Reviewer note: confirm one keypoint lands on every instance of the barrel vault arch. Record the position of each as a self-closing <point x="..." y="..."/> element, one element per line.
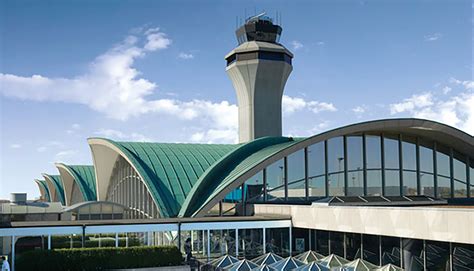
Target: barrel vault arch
<point x="78" y="182"/>
<point x="55" y="187"/>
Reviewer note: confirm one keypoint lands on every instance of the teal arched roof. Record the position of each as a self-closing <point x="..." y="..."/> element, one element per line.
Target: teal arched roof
<point x="58" y="185"/>
<point x="170" y="170"/>
<point x="85" y="179"/>
<point x="43" y="185"/>
<point x="224" y="172"/>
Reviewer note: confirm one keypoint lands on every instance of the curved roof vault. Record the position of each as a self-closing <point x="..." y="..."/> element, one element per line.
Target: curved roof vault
<point x="44" y="190"/>
<point x="83" y="176"/>
<point x="169" y="170"/>
<point x="55" y="186"/>
<point x="246" y="161"/>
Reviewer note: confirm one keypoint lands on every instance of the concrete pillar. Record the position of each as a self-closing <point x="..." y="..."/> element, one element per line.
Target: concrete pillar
<point x="49" y="242"/>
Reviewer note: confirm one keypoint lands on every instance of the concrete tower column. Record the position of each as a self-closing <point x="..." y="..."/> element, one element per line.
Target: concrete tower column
<point x="259" y="68"/>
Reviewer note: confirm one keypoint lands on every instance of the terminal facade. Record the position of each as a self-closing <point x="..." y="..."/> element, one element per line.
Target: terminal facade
<point x="397" y="191"/>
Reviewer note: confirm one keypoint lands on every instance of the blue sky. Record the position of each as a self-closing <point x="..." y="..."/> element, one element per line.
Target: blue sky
<point x="155" y="71"/>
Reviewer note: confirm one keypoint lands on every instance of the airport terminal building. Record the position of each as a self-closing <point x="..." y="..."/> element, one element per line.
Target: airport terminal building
<point x="397" y="191"/>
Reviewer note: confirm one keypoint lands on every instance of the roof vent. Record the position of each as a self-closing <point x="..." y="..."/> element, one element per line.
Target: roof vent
<point x="18" y="198"/>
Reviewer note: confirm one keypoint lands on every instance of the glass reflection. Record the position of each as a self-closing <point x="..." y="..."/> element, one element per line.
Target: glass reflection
<point x="336" y="166"/>
<point x="322" y="242"/>
<point x="316" y="170"/>
<point x="412" y="251"/>
<point x="371" y="251"/>
<point x="254" y="188"/>
<point x="426" y="169"/>
<point x="390" y="250"/>
<point x="444" y="172"/>
<point x="459" y="174"/>
<point x="276" y="181"/>
<point x="296" y="176"/>
<point x="353" y="243"/>
<point x="355" y="180"/>
<point x="337" y="243"/>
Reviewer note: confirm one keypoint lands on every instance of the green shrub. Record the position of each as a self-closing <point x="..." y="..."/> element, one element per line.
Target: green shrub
<point x="85" y="259"/>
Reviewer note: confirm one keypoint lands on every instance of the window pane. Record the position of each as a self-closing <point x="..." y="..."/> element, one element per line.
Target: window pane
<point x="371" y="249"/>
<point x="336" y="184"/>
<point x="409" y="183"/>
<point x="355" y="183"/>
<point x="296" y="178"/>
<point x="392" y="183"/>
<point x="276" y="181"/>
<point x="390" y="250"/>
<point x="335" y="154"/>
<point x="337" y="243"/>
<point x="374" y="182"/>
<point x="354" y="152"/>
<point x="316" y="181"/>
<point x="460" y="184"/>
<point x="426" y="159"/>
<point x="443" y="169"/>
<point x="437" y="255"/>
<point x="462" y="256"/>
<point x="355" y="165"/>
<point x="352" y="246"/>
<point x="442" y="165"/>
<point x="409" y="155"/>
<point x="444" y="187"/>
<point x="254" y="188"/>
<point x="427" y="184"/>
<point x="322" y="242"/>
<point x="373" y="152"/>
<point x="300" y="240"/>
<point x="471" y="176"/>
<point x="391" y="152"/>
<point x="278" y="241"/>
<point x="412" y="254"/>
<point x="251" y="243"/>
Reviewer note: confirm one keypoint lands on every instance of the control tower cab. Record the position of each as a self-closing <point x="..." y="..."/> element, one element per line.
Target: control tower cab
<point x="259" y="68"/>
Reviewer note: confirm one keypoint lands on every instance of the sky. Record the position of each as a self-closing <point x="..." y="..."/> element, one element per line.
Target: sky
<point x="155" y="71"/>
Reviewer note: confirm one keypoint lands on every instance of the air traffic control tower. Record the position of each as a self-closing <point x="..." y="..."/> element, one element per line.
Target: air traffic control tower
<point x="259" y="68"/>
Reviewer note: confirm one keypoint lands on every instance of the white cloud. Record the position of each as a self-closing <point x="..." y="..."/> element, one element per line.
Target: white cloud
<point x="293" y="104"/>
<point x="320" y="43"/>
<point x="446" y="90"/>
<point x="433" y="37"/>
<point x="296" y="45"/>
<point x="50" y="145"/>
<point x="359" y="109"/>
<point x="74" y="127"/>
<point x="15" y="146"/>
<point x="466" y="84"/>
<point x="414" y="102"/>
<point x="216" y="136"/>
<point x="111" y="81"/>
<point x="185" y="56"/>
<point x="456" y="110"/>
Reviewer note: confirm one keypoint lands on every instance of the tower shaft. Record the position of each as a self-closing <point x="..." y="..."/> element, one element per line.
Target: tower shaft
<point x="259" y="68"/>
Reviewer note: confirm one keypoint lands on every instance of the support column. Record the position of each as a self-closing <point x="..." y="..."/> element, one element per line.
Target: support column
<point x="291" y="239"/>
<point x="208" y="245"/>
<point x="13" y="252"/>
<point x="236" y="243"/>
<point x="264" y="240"/>
<point x="116" y="240"/>
<point x="49" y="242"/>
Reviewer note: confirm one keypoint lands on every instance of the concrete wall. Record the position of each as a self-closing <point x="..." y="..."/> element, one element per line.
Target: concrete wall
<point x="430" y="223"/>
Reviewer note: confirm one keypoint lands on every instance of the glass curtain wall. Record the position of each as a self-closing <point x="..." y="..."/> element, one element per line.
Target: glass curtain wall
<point x="362" y="165"/>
